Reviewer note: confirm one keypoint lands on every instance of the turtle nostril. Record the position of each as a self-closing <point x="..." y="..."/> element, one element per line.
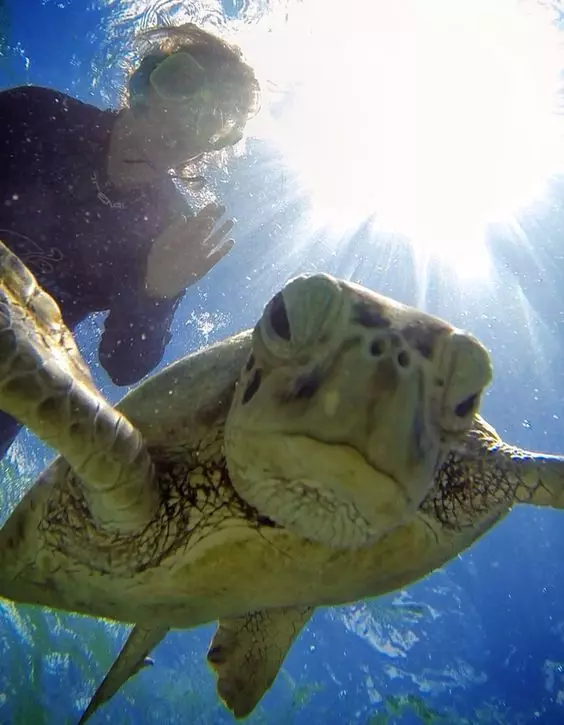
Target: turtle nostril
<point x="467" y="406"/>
<point x="377" y="348"/>
<point x="403" y="359"/>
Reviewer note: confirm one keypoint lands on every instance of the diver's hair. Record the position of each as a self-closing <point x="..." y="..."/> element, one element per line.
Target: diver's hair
<point x="222" y="61"/>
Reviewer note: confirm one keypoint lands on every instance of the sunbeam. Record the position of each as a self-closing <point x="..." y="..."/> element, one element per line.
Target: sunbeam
<point x="431" y="119"/>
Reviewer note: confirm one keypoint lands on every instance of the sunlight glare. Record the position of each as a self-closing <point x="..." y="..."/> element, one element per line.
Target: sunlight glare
<point x="430" y="118"/>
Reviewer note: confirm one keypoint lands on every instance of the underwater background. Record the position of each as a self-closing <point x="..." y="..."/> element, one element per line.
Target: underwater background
<point x="481" y="640"/>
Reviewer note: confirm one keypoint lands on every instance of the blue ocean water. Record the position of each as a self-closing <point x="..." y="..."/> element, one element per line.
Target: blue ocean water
<point x="480" y="641"/>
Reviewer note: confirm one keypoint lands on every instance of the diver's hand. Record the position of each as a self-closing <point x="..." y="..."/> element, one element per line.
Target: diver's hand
<point x="186" y="251"/>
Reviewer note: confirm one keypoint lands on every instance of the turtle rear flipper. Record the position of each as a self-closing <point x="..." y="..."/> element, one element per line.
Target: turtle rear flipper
<point x="132" y="658"/>
<point x="246" y="654"/>
<point x="46" y="385"/>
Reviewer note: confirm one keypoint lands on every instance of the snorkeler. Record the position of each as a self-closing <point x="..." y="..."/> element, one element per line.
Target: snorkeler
<point x="88" y="200"/>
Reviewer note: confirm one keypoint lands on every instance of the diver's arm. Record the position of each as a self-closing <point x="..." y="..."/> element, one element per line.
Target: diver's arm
<point x="136" y="333"/>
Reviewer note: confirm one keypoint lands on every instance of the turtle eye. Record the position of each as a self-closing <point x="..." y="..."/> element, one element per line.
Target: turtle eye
<point x="278" y="317"/>
<point x="307" y="312"/>
<point x="467" y="406"/>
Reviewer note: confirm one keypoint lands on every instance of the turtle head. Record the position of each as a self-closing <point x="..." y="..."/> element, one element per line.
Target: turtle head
<point x="347" y="405"/>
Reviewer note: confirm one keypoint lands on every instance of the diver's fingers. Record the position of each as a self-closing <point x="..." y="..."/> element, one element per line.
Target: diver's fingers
<point x="216" y="237"/>
<point x="220" y="251"/>
<point x="211" y="211"/>
<point x="202" y="227"/>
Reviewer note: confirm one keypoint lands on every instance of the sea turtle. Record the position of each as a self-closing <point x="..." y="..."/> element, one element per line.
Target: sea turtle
<point x="330" y="454"/>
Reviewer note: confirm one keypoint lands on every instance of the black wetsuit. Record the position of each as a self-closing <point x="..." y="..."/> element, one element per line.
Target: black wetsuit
<point x="85" y="240"/>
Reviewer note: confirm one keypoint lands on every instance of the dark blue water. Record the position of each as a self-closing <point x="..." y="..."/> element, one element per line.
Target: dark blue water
<point x="481" y="641"/>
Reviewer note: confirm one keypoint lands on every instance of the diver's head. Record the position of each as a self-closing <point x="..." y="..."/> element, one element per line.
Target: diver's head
<point x="192" y="93"/>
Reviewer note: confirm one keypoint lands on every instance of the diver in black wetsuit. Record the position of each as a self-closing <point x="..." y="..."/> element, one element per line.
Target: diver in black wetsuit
<point x="88" y="202"/>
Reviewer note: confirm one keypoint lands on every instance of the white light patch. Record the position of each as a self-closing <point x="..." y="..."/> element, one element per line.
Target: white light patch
<point x="431" y="118"/>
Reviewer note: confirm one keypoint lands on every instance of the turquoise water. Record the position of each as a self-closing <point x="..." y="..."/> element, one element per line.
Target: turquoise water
<point x="481" y="641"/>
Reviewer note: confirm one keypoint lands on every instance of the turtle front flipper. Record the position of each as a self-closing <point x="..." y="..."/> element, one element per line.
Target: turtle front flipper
<point x="482" y="479"/>
<point x="131" y="659"/>
<point x="45" y="384"/>
<point x="247" y="653"/>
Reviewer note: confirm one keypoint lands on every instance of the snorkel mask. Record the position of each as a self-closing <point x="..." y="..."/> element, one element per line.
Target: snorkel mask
<point x="179" y="80"/>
